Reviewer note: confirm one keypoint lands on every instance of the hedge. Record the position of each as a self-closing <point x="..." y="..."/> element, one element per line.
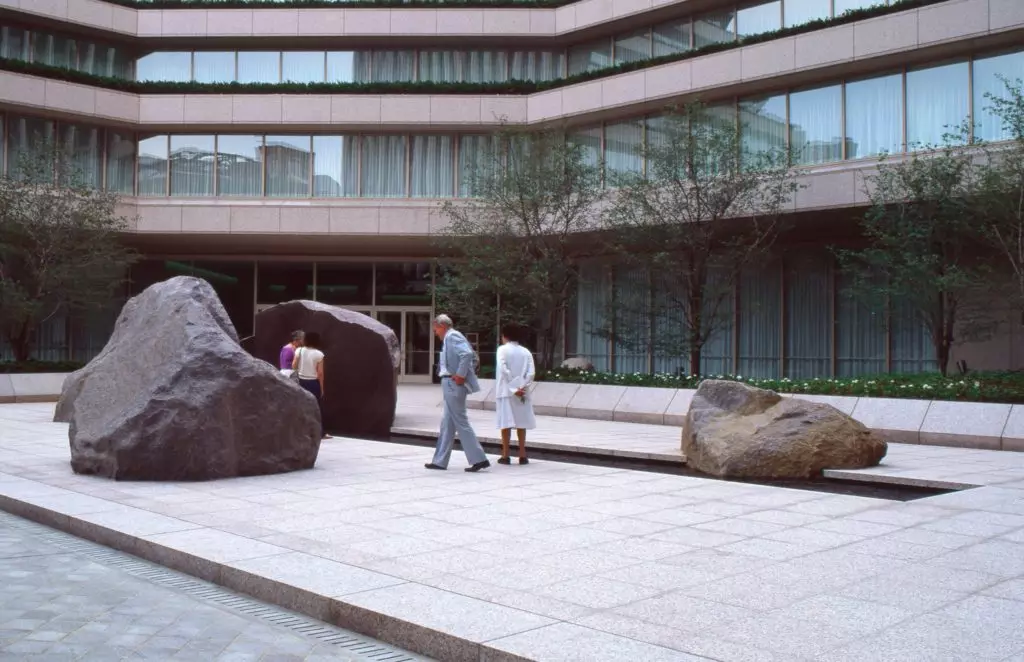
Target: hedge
<point x="1004" y="387"/>
<point x="514" y="87"/>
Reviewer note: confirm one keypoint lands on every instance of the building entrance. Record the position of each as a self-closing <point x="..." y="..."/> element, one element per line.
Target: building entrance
<point x="416" y="340"/>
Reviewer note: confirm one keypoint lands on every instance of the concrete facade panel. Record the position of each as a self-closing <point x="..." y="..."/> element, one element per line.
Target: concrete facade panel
<point x="94" y="14"/>
<point x="584" y="95"/>
<point x="768" y="59"/>
<point x="308" y="109"/>
<point x="355" y="219"/>
<point x="66" y="96"/>
<point x="149" y="23"/>
<point x="162" y="109"/>
<point x="542" y="22"/>
<point x="28" y="90"/>
<point x="827" y="189"/>
<point x="367" y="22"/>
<point x="55" y="8"/>
<point x="405" y="110"/>
<point x="822" y="47"/>
<point x="454" y="110"/>
<point x="565" y="19"/>
<point x="124" y="19"/>
<point x="206" y="218"/>
<point x="404" y="220"/>
<point x="952" y="20"/>
<point x="305" y="220"/>
<point x="355" y="109"/>
<point x="460" y="21"/>
<point x="183" y="22"/>
<point x="1003" y="14"/>
<point x="885" y="35"/>
<point x="544" y="105"/>
<point x="117" y="105"/>
<point x="593" y="12"/>
<point x="414" y="22"/>
<point x="717" y="70"/>
<point x="275" y="22"/>
<point x="256" y="109"/>
<point x="208" y="108"/>
<point x="495" y="110"/>
<point x="229" y="22"/>
<point x="507" y="21"/>
<point x="668" y="79"/>
<point x="321" y="21"/>
<point x="623" y="90"/>
<point x="159" y="218"/>
<point x="255" y="218"/>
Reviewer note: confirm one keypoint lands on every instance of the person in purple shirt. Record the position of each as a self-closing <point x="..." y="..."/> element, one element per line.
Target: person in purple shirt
<point x="287" y="357"/>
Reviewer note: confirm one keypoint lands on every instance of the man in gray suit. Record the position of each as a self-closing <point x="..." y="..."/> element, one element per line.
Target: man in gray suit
<point x="458" y="380"/>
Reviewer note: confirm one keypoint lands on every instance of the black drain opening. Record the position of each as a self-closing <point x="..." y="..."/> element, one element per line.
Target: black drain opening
<point x="871" y="489"/>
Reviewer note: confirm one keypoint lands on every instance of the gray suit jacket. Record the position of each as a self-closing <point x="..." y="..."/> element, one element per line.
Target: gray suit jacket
<point x="459" y="358"/>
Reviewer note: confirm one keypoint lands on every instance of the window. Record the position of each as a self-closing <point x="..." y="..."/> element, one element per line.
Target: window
<point x="763" y="128"/>
<point x="714" y="28"/>
<point x="589" y="141"/>
<point x="439" y="66"/>
<point x="672" y="38"/>
<point x="622" y="149"/>
<point x="478" y="160"/>
<point x="816" y="125"/>
<point x="484" y="66"/>
<point x="874" y="116"/>
<point x="84" y="150"/>
<point x="860" y="334"/>
<point x="344" y="283"/>
<point x="239" y="165"/>
<point x="798" y="12"/>
<point x="433" y="163"/>
<point x="537" y="65"/>
<point x="288" y="165"/>
<point x="259" y="67"/>
<point x="13" y="43"/>
<point x="214" y="67"/>
<point x="53" y="50"/>
<point x="843" y="6"/>
<point x="303" y="66"/>
<point x="758" y="19"/>
<point x="120" y="162"/>
<point x="383" y="167"/>
<point x="153" y="165"/>
<point x="392" y="66"/>
<point x="590" y="57"/>
<point x="760" y="314"/>
<point x="938" y="102"/>
<point x="341" y="66"/>
<point x="987" y="72"/>
<point x="192" y="164"/>
<point x="165" y="66"/>
<point x="633" y="46"/>
<point x="335" y="162"/>
<point x="808" y="317"/>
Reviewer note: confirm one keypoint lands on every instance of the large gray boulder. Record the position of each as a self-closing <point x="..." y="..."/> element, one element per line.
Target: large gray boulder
<point x="173" y="396"/>
<point x="735" y="430"/>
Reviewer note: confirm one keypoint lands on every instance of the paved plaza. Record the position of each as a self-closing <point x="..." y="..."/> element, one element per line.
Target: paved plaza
<point x="556" y="561"/>
<point x="58" y="603"/>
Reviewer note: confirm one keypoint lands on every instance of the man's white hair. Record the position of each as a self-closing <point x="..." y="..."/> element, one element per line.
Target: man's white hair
<point x="444" y="321"/>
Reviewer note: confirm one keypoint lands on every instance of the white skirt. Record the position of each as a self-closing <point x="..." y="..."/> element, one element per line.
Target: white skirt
<point x="513" y="413"/>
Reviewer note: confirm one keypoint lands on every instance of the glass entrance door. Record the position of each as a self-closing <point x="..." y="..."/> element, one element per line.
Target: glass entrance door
<point x="416" y="340"/>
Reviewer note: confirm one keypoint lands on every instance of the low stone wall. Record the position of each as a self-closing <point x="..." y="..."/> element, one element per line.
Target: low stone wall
<point x="31" y="387"/>
<point x="940" y="423"/>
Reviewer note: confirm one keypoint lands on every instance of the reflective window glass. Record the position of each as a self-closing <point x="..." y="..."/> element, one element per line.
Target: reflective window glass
<point x="153" y="166"/>
<point x="335" y="163"/>
<point x="798" y="12"/>
<point x="344" y="283"/>
<point x="383" y="167"/>
<point x="938" y="103"/>
<point x="214" y="66"/>
<point x="622" y="149"/>
<point x="478" y="160"/>
<point x="13" y="43"/>
<point x="633" y="46"/>
<point x="439" y="66"/>
<point x="988" y="85"/>
<point x="239" y="165"/>
<point x="403" y="283"/>
<point x="165" y="66"/>
<point x="758" y="19"/>
<point x="714" y="28"/>
<point x="83" y="148"/>
<point x="192" y="165"/>
<point x="816" y="125"/>
<point x="874" y="116"/>
<point x="120" y="162"/>
<point x="288" y="165"/>
<point x="259" y="67"/>
<point x="25" y="137"/>
<point x="484" y="66"/>
<point x="590" y="57"/>
<point x="392" y="66"/>
<point x="433" y="166"/>
<point x="341" y="67"/>
<point x="763" y="127"/>
<point x="303" y="66"/>
<point x="672" y="37"/>
<point x="589" y="141"/>
<point x="537" y="65"/>
<point x="53" y="50"/>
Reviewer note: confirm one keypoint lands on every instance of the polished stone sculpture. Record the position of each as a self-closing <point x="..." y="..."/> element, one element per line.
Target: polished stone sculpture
<point x="735" y="430"/>
<point x="361" y="364"/>
<point x="173" y="396"/>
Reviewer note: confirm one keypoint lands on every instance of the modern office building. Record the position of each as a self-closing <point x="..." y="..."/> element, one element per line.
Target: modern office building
<point x="333" y="194"/>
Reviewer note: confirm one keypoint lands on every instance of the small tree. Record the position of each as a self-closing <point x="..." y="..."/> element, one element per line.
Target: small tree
<point x="60" y="245"/>
<point x="1000" y="198"/>
<point x="921" y="248"/>
<point x="516" y="243"/>
<point x="706" y="209"/>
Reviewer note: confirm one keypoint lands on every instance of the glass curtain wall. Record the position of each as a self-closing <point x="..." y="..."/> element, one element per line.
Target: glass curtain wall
<point x="289" y="161"/>
<point x="988" y="85"/>
<point x="192" y="165"/>
<point x="383" y="167"/>
<point x="938" y="102"/>
<point x="432" y="173"/>
<point x="874" y="114"/>
<point x="816" y="125"/>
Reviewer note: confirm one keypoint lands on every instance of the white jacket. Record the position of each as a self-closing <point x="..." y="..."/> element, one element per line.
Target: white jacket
<point x="514" y="368"/>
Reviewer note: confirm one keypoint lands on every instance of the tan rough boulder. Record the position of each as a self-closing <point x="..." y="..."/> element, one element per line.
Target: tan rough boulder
<point x="735" y="430"/>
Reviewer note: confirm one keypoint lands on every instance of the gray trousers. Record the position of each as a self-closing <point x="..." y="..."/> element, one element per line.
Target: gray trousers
<point x="454" y="419"/>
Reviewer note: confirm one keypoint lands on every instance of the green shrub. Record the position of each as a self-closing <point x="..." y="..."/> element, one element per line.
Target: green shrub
<point x="1005" y="387"/>
<point x="25" y="367"/>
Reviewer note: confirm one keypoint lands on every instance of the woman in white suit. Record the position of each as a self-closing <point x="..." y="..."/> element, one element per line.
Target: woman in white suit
<point x="514" y="374"/>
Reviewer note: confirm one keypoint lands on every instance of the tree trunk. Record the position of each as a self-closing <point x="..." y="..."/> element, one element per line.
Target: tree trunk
<point x="21" y="346"/>
<point x="695" y="361"/>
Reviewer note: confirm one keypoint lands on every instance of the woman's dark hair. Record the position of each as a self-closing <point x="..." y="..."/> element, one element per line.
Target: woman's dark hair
<point x="512" y="332"/>
<point x="312" y="340"/>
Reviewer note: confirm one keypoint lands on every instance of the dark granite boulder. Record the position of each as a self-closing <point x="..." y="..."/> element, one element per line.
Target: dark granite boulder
<point x="173" y="396"/>
<point x="361" y="362"/>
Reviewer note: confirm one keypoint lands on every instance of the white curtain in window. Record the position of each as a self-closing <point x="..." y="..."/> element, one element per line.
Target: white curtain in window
<point x="439" y="66"/>
<point x="717" y="355"/>
<point x="81" y="145"/>
<point x="632" y="320"/>
<point x="478" y="156"/>
<point x="153" y="152"/>
<point x="86" y="54"/>
<point x="633" y="46"/>
<point x="120" y="162"/>
<point x="240" y="165"/>
<point x="816" y="125"/>
<point x="192" y="165"/>
<point x="912" y="347"/>
<point x="433" y="166"/>
<point x="860" y="335"/>
<point x="874" y="116"/>
<point x="938" y="103"/>
<point x="383" y="167"/>
<point x="594" y="297"/>
<point x="760" y="321"/>
<point x="392" y="66"/>
<point x="537" y="65"/>
<point x="589" y="141"/>
<point x="763" y="127"/>
<point x="671" y="38"/>
<point x="341" y="66"/>
<point x="53" y="50"/>
<point x="808" y="317"/>
<point x="484" y="66"/>
<point x="14" y="43"/>
<point x="288" y="161"/>
<point x="214" y="66"/>
<point x="335" y="163"/>
<point x="622" y="149"/>
<point x="590" y="56"/>
<point x="987" y="84"/>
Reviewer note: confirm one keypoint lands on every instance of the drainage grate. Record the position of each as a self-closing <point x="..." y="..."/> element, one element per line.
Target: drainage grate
<point x="353" y="643"/>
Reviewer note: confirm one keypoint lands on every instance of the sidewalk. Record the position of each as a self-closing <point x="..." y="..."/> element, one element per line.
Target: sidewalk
<point x="556" y="561"/>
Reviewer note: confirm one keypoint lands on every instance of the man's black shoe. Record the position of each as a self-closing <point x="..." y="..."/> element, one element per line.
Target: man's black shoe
<point x="478" y="466"/>
<point x="431" y="465"/>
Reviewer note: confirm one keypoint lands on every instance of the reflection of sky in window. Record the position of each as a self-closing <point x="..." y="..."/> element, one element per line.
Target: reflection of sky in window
<point x="244" y="147"/>
<point x="214" y="67"/>
<point x="341" y="66"/>
<point x="166" y="66"/>
<point x="302" y="66"/>
<point x="759" y="19"/>
<point x="937" y="103"/>
<point x="802" y="11"/>
<point x="154" y="147"/>
<point x="259" y="67"/>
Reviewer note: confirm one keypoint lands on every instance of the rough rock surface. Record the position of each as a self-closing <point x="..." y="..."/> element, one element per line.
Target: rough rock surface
<point x="737" y="430"/>
<point x="362" y="358"/>
<point x="173" y="396"/>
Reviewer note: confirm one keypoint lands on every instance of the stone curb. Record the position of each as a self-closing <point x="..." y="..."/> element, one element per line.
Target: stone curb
<point x="396" y="631"/>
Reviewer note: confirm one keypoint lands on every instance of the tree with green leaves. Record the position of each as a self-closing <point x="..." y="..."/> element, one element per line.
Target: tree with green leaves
<point x="707" y="208"/>
<point x="920" y="244"/>
<point x="61" y="248"/>
<point x="512" y="250"/>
